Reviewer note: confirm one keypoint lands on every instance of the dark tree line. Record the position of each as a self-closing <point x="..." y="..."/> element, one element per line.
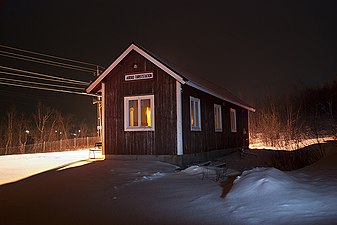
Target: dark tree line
<point x="45" y="124"/>
<point x="290" y="119"/>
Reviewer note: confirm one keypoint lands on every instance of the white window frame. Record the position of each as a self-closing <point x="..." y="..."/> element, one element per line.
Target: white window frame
<point x="197" y="110"/>
<point x="233" y="120"/>
<point x="217" y="110"/>
<point x="126" y="113"/>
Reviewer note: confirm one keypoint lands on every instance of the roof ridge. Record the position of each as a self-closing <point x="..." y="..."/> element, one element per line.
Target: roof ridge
<point x="179" y="74"/>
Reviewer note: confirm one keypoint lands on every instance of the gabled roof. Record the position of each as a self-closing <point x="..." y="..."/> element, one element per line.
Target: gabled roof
<point x="176" y="73"/>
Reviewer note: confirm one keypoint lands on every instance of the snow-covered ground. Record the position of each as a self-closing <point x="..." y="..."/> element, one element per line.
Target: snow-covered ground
<point x="148" y="192"/>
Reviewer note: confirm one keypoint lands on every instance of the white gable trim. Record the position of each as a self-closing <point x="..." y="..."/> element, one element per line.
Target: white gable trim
<point x="144" y="54"/>
<point x="176" y="76"/>
<point x="159" y="64"/>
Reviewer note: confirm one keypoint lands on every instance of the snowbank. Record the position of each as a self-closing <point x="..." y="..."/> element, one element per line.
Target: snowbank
<point x="270" y="196"/>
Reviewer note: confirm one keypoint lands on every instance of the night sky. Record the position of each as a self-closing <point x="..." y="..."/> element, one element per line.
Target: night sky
<point x="252" y="48"/>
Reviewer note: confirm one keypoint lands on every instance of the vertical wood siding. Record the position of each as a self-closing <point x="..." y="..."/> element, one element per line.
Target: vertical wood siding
<point x="163" y="140"/>
<point x="207" y="139"/>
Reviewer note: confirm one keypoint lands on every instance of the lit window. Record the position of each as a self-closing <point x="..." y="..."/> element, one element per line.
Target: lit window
<point x="233" y="119"/>
<point x="217" y="118"/>
<point x="195" y="114"/>
<point x="139" y="113"/>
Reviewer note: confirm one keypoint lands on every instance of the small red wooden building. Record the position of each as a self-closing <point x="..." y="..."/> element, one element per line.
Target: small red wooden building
<point x="151" y="108"/>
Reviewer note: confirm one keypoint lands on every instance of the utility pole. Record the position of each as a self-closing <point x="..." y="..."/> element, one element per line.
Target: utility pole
<point x="98" y="102"/>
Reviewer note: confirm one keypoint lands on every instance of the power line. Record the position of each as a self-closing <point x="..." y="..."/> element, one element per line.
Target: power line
<point x="21" y="97"/>
<point x="61" y="79"/>
<point x="51" y="56"/>
<point x="39" y="78"/>
<point x="46" y="62"/>
<point x="43" y="84"/>
<point x="53" y="79"/>
<point x="49" y="89"/>
<point x="25" y="97"/>
<point x="36" y="61"/>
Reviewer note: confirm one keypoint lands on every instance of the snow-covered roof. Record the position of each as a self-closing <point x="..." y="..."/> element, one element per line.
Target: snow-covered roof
<point x="177" y="73"/>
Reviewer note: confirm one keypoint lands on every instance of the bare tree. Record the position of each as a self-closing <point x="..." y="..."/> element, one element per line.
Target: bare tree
<point x="46" y="129"/>
<point x="84" y="130"/>
<point x="9" y="130"/>
<point x="66" y="125"/>
<point x="41" y="118"/>
<point x="22" y="131"/>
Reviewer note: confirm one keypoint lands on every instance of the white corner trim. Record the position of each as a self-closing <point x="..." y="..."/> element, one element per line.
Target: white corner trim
<point x="180" y="150"/>
<point x="122" y="56"/>
<point x="103" y="118"/>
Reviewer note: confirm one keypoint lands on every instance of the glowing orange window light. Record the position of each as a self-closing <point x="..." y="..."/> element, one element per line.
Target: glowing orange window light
<point x="148" y="116"/>
<point x="132" y="116"/>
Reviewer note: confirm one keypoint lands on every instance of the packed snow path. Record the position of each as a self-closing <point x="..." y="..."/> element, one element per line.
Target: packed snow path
<point x="112" y="192"/>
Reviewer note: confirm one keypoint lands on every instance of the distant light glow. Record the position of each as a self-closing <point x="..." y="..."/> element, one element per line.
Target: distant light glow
<point x="292" y="145"/>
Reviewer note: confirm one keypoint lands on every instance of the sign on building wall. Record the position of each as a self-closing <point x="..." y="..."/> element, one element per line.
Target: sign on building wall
<point x="139" y="76"/>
